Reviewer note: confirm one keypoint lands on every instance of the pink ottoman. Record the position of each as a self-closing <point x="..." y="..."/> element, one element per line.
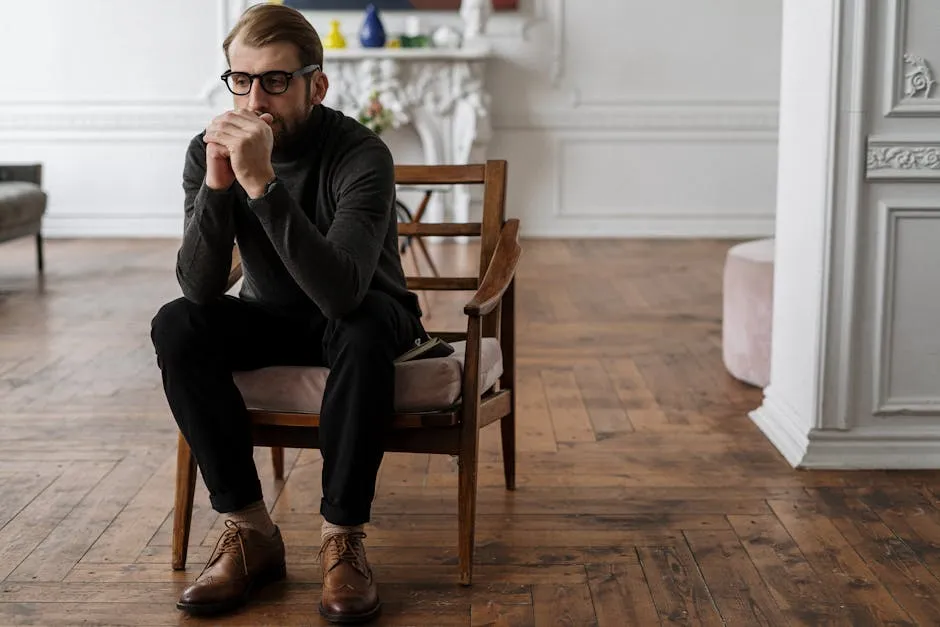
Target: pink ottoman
<point x="748" y="311"/>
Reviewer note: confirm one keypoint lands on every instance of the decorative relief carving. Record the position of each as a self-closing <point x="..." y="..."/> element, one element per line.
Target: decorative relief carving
<point x="918" y="77"/>
<point x="904" y="157"/>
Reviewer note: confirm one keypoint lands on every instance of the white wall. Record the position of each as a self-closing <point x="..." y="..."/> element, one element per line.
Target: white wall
<point x="618" y="117"/>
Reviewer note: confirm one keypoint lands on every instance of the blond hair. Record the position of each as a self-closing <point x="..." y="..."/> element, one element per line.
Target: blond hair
<point x="265" y="24"/>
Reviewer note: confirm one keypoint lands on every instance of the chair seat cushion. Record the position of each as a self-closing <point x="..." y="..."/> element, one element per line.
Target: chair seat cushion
<point x="422" y="385"/>
<point x="20" y="203"/>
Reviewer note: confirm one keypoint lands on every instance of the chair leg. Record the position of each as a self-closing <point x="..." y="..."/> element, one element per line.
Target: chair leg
<point x="507" y="427"/>
<point x="39" y="260"/>
<point x="467" y="501"/>
<point x="183" y="510"/>
<point x="277" y="459"/>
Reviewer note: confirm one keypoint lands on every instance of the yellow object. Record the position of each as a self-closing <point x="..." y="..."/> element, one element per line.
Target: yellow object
<point x="394" y="43"/>
<point x="334" y="39"/>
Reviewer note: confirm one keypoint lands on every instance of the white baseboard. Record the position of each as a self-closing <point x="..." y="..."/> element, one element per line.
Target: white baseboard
<point x="894" y="447"/>
<point x="873" y="450"/>
<point x="780" y="424"/>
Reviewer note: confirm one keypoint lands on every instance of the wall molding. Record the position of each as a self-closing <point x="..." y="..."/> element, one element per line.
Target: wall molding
<point x="105" y="124"/>
<point x="671" y="115"/>
<point x="912" y="158"/>
<point x="670" y="227"/>
<point x="563" y="142"/>
<point x="116" y="225"/>
<point x="914" y="100"/>
<point x="130" y="120"/>
<point x="883" y="404"/>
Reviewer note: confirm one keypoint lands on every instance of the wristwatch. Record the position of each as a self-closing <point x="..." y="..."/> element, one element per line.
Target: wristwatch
<point x="270" y="186"/>
<point x="267" y="189"/>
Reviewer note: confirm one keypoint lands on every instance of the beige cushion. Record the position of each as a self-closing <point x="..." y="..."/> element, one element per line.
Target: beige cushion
<point x="423" y="385"/>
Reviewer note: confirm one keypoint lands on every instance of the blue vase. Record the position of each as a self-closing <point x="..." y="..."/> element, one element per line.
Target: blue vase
<point x="372" y="33"/>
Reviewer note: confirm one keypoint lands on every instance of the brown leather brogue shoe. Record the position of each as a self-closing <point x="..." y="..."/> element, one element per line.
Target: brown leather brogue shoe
<point x="243" y="561"/>
<point x="349" y="591"/>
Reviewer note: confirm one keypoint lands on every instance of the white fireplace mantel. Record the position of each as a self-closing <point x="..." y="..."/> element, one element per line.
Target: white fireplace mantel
<point x="441" y="93"/>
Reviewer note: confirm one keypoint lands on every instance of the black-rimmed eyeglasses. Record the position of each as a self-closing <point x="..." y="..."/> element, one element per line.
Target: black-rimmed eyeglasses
<point x="274" y="82"/>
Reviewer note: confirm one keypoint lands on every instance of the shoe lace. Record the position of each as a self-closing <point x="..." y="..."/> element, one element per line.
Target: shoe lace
<point x="346" y="547"/>
<point x="230" y="542"/>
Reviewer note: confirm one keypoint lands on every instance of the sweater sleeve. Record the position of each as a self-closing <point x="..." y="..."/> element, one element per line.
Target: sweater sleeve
<point x="336" y="269"/>
<point x="205" y="255"/>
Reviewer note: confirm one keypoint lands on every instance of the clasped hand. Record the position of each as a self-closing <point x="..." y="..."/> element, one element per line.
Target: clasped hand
<point x="238" y="147"/>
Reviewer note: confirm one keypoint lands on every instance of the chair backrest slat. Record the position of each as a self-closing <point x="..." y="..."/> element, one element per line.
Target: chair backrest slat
<point x="444" y="283"/>
<point x="447" y="229"/>
<point x="440" y="174"/>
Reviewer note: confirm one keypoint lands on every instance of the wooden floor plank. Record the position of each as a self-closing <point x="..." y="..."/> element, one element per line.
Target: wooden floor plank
<point x="621" y="595"/>
<point x="912" y="515"/>
<point x="136" y="524"/>
<point x="114" y="614"/>
<point x="893" y="562"/>
<point x="680" y="593"/>
<point x="66" y="545"/>
<point x="604" y="409"/>
<point x="566" y="407"/>
<point x="533" y="422"/>
<point x="792" y="582"/>
<point x="30" y="527"/>
<point x="741" y="596"/>
<point x="20" y="488"/>
<point x="842" y="571"/>
<point x="563" y="605"/>
<point x="506" y="610"/>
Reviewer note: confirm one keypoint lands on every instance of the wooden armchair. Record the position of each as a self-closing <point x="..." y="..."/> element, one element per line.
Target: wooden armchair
<point x="450" y="430"/>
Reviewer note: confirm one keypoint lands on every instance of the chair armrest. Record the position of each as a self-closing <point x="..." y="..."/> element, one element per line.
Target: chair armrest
<point x="236" y="272"/>
<point x="499" y="274"/>
<point x="22" y="173"/>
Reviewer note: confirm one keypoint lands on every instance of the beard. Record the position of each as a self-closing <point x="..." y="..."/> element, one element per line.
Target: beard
<point x="288" y="128"/>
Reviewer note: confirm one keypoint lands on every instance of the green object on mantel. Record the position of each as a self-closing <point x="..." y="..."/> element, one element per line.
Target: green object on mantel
<point x="419" y="41"/>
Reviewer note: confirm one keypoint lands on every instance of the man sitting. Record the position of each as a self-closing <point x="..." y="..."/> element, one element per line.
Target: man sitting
<point x="308" y="194"/>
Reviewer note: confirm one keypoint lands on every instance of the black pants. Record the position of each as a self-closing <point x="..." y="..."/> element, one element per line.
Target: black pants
<point x="199" y="346"/>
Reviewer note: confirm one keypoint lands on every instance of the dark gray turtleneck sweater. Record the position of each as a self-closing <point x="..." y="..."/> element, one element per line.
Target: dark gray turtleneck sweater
<point x="322" y="236"/>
